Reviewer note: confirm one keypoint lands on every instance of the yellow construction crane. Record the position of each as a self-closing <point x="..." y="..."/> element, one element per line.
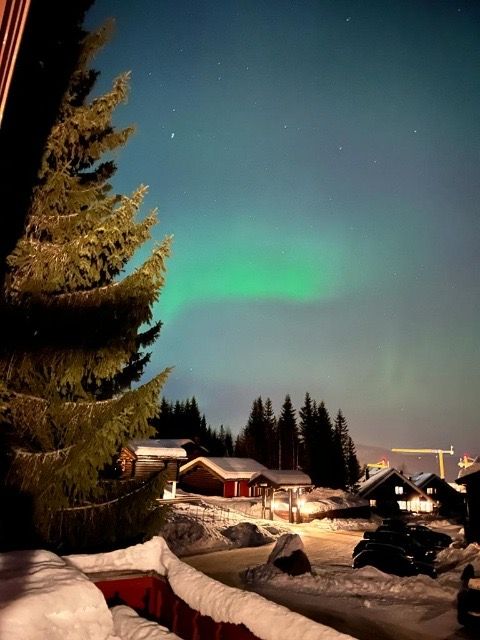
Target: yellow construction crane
<point x="438" y="452"/>
<point x="381" y="464"/>
<point x="465" y="461"/>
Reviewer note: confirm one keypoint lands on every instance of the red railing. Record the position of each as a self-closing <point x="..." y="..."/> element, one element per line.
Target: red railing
<point x="151" y="596"/>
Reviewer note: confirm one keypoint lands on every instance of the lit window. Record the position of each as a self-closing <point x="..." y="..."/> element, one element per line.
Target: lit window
<point x="430" y="491"/>
<point x="373" y="503"/>
<point x="399" y="490"/>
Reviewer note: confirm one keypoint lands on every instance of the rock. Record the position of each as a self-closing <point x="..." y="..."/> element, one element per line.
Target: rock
<point x="289" y="555"/>
<point x="286" y="545"/>
<point x="246" y="534"/>
<point x="295" y="565"/>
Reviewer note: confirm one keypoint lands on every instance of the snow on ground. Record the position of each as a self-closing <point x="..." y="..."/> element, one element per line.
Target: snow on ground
<point x="209" y="525"/>
<point x="414" y="605"/>
<point x="265" y="619"/>
<point x="42" y="595"/>
<point x="45" y="596"/>
<point x="201" y="526"/>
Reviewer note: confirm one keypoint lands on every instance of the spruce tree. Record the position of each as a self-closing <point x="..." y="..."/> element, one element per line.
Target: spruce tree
<point x="325" y="459"/>
<point x="349" y="469"/>
<point x="352" y="466"/>
<point x="75" y="325"/>
<point x="228" y="443"/>
<point x="288" y="436"/>
<point x="309" y="438"/>
<point x="252" y="435"/>
<point x="271" y="435"/>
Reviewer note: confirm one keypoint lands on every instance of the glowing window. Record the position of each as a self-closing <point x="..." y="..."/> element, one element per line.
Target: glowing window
<point x="399" y="490"/>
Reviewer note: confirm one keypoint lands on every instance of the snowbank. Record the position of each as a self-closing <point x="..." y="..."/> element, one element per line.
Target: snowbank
<point x="44" y="596"/>
<point x="265" y="619"/>
<point x="41" y="596"/>
<point x="130" y="626"/>
<point x="208" y="526"/>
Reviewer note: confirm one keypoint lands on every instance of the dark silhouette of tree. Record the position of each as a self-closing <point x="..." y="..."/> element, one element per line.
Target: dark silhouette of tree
<point x="75" y="339"/>
<point x="271" y="435"/>
<point x="323" y="457"/>
<point x="181" y="419"/>
<point x="228" y="443"/>
<point x="352" y="466"/>
<point x="349" y="471"/>
<point x="246" y="445"/>
<point x="48" y="55"/>
<point x="288" y="436"/>
<point x="309" y="435"/>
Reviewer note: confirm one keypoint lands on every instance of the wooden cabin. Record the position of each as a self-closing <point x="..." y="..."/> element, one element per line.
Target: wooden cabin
<point x="142" y="458"/>
<point x="450" y="501"/>
<point x="227" y="477"/>
<point x="389" y="492"/>
<point x="271" y="481"/>
<point x="470" y="478"/>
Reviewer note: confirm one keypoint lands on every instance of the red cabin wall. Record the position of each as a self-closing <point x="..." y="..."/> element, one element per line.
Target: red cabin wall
<point x="243" y="489"/>
<point x="229" y="489"/>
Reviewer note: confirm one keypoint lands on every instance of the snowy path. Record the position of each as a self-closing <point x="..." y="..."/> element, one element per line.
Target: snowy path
<point x="332" y="548"/>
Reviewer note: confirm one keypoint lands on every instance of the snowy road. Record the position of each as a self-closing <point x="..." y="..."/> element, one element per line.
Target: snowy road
<point x="332" y="548"/>
<point x="366" y="618"/>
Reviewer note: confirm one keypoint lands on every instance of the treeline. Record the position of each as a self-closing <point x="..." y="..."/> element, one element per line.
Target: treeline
<point x="313" y="443"/>
<point x="183" y="420"/>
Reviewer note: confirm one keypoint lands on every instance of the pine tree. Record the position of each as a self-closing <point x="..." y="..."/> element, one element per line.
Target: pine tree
<point x="324" y="461"/>
<point x="228" y="443"/>
<point x="308" y="433"/>
<point x="288" y="436"/>
<point x="74" y="332"/>
<point x="349" y="469"/>
<point x="338" y="475"/>
<point x="353" y="469"/>
<point x="252" y="435"/>
<point x="271" y="435"/>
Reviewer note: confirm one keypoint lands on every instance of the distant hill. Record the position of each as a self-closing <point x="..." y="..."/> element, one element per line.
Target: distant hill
<point x="409" y="463"/>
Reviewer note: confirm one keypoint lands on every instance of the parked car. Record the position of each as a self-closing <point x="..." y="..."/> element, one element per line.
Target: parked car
<point x="422" y="534"/>
<point x="398" y="539"/>
<point x="391" y="559"/>
<point x="468" y="600"/>
<point x="428" y="537"/>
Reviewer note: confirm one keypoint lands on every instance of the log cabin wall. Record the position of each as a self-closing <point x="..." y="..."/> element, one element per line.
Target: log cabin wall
<point x="201" y="480"/>
<point x="144" y="466"/>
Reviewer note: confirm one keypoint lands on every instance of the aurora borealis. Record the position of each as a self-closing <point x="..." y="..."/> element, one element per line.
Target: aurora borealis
<point x="318" y="165"/>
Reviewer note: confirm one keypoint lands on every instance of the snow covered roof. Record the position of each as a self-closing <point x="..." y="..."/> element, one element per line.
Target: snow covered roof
<point x="421" y="479"/>
<point x="158" y="448"/>
<point x="282" y="478"/>
<point x="378" y="478"/>
<point x="227" y="468"/>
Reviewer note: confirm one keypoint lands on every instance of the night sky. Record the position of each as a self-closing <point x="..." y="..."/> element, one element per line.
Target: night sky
<point x="318" y="165"/>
